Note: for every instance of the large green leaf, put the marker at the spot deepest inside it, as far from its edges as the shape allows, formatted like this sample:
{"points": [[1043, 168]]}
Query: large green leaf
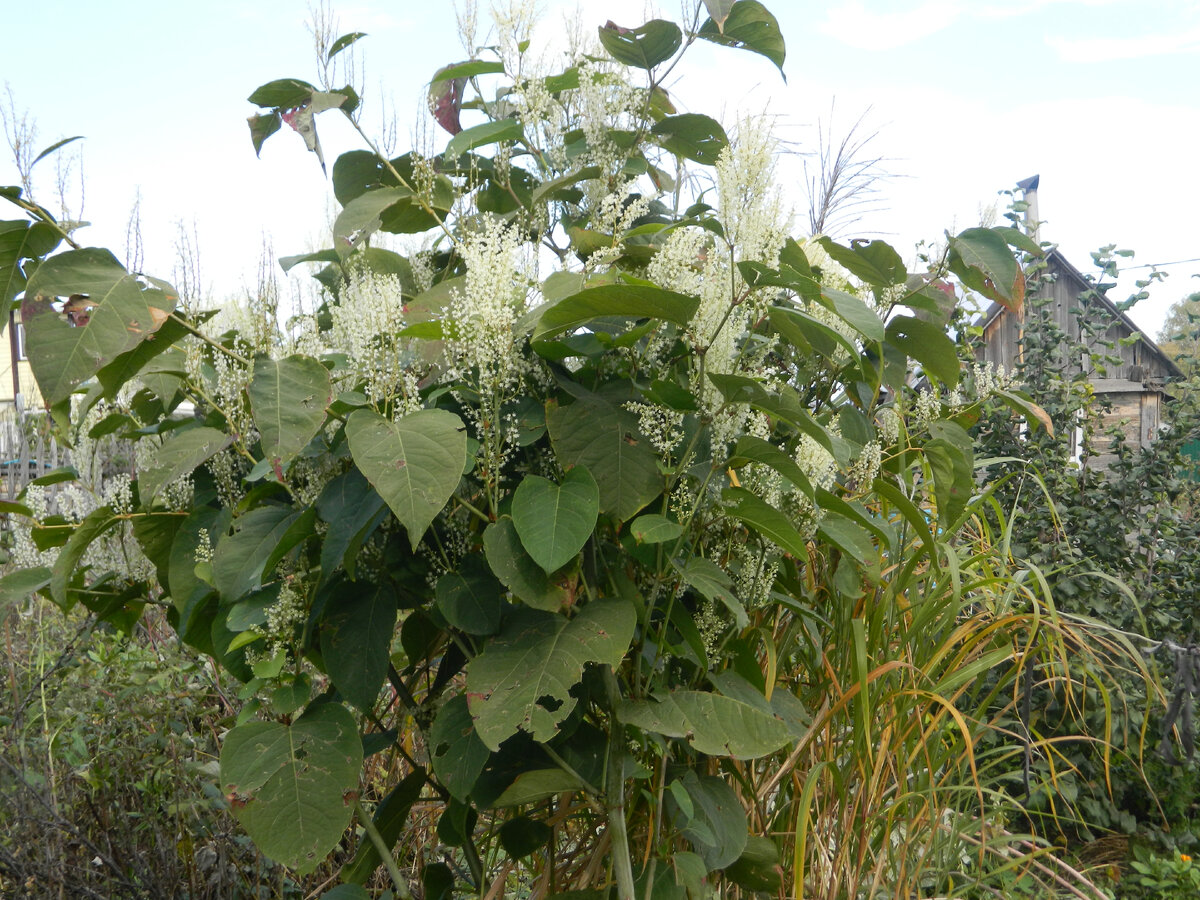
{"points": [[765, 520], [240, 558], [457, 753], [93, 525], [692, 136], [21, 240], [178, 457], [981, 258], [353, 509], [875, 262], [482, 135], [603, 437], [644, 47], [633, 300], [928, 345], [469, 597], [522, 679], [126, 309], [356, 637], [517, 570], [555, 521], [19, 586], [288, 399], [755, 449], [363, 216], [710, 723], [714, 584], [750, 26], [855, 313], [291, 786], [715, 822], [414, 463]]}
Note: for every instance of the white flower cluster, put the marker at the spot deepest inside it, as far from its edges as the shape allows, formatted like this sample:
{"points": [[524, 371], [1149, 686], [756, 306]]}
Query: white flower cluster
{"points": [[816, 462], [754, 575], [986, 379], [615, 215], [750, 202], [368, 315], [25, 554], [606, 101], [888, 422], [283, 616], [661, 425], [862, 472]]}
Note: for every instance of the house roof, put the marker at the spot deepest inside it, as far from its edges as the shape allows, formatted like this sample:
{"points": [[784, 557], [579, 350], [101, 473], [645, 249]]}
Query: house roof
{"points": [[1058, 262]]}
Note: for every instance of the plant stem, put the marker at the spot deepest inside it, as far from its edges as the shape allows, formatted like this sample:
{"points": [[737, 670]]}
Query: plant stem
{"points": [[389, 862], [614, 792]]}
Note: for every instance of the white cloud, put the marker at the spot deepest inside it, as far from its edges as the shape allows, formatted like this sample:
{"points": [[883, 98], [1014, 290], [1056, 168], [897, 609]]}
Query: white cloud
{"points": [[1107, 49], [852, 23]]}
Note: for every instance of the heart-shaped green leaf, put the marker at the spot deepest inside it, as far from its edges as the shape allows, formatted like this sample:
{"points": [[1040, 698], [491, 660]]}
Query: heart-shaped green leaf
{"points": [[291, 786], [288, 399], [555, 521], [414, 463]]}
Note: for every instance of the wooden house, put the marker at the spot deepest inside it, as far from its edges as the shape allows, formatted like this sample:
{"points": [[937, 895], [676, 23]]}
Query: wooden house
{"points": [[1135, 387]]}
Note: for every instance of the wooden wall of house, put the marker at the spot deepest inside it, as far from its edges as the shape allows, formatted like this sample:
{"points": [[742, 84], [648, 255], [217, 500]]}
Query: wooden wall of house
{"points": [[1002, 333]]}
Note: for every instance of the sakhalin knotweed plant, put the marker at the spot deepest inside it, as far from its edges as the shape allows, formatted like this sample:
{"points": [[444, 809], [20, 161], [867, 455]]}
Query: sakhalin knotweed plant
{"points": [[608, 528]]}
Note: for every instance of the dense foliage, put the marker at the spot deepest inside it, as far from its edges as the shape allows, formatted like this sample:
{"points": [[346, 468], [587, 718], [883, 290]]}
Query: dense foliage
{"points": [[640, 539]]}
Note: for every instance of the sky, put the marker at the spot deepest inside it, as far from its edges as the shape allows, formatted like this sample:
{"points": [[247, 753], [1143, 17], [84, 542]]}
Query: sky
{"points": [[1098, 97]]}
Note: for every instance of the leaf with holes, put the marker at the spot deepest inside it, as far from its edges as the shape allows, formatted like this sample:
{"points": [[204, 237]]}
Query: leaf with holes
{"points": [[292, 787], [555, 521], [522, 679], [643, 47], [457, 753], [415, 463], [123, 310]]}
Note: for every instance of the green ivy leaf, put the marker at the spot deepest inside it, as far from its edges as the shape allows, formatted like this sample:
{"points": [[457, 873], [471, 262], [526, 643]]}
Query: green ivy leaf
{"points": [[414, 463], [291, 786], [710, 723], [749, 26], [125, 310], [288, 399], [644, 47], [555, 521], [178, 457], [522, 679]]}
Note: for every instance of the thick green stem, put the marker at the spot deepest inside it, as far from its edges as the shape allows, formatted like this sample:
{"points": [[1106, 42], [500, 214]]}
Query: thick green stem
{"points": [[614, 792], [389, 861]]}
